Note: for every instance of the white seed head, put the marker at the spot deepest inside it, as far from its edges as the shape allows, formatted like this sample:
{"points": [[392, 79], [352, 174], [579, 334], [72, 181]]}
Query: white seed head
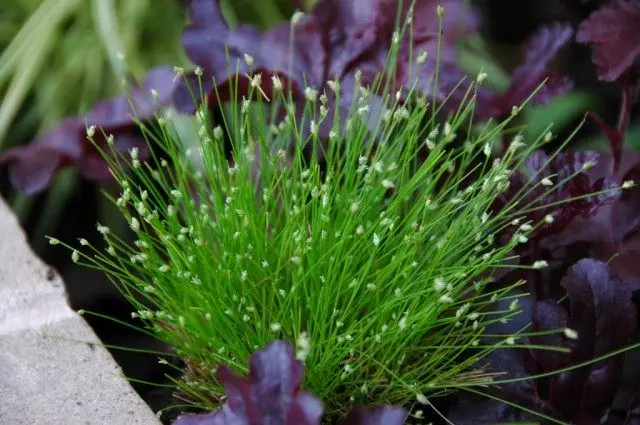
{"points": [[248, 59], [421, 398], [481, 77], [388, 184], [445, 299], [403, 322], [91, 131], [297, 17], [422, 58], [546, 182], [570, 333], [311, 94], [540, 264], [75, 256], [510, 341], [134, 224], [440, 11], [439, 284], [355, 207], [376, 239], [627, 184], [275, 327], [487, 149], [548, 219]]}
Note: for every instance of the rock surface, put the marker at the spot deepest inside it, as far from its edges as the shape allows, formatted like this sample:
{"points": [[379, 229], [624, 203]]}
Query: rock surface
{"points": [[52, 368]]}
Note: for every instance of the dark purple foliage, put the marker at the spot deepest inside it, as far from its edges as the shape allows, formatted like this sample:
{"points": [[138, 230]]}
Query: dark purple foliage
{"points": [[271, 395], [334, 40], [613, 32], [603, 315], [540, 50], [31, 167]]}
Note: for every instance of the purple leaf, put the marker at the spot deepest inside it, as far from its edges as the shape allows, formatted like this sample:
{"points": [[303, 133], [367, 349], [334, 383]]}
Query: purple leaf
{"points": [[220, 52], [270, 395], [540, 49], [613, 33], [32, 167], [604, 317]]}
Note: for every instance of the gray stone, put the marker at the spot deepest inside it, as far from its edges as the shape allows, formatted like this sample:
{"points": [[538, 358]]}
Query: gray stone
{"points": [[52, 367]]}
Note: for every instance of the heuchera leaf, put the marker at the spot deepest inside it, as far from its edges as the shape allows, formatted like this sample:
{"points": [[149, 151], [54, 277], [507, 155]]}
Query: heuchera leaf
{"points": [[271, 395], [613, 33], [331, 42], [540, 49], [31, 167], [604, 317]]}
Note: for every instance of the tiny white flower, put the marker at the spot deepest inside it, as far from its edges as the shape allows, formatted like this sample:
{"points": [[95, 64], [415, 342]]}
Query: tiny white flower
{"points": [[163, 268], [627, 184], [446, 299], [360, 230], [403, 322], [243, 276], [91, 131], [296, 260], [256, 81], [514, 305], [510, 341], [487, 149], [422, 58], [546, 182], [388, 184], [275, 327], [355, 207], [548, 219], [303, 346], [522, 239], [421, 398], [515, 110], [376, 239], [481, 77], [135, 224], [297, 17], [248, 59], [570, 333], [548, 137], [54, 241], [473, 316], [334, 85], [588, 165], [75, 256], [440, 11], [439, 284], [311, 94], [526, 227], [540, 264], [84, 242]]}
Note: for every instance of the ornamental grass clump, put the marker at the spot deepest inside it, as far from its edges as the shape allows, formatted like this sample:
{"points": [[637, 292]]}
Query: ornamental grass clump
{"points": [[370, 250]]}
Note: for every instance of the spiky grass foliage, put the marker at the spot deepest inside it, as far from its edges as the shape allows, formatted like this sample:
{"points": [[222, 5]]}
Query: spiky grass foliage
{"points": [[371, 251]]}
